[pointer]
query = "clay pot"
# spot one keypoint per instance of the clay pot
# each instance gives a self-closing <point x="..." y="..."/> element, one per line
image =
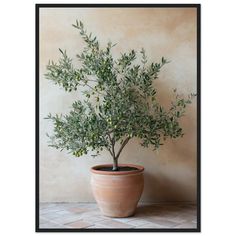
<point x="117" y="192"/>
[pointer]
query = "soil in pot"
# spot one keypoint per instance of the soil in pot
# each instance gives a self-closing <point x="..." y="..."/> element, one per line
<point x="120" y="168"/>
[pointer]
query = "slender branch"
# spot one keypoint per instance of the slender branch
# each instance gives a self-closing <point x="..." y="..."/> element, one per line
<point x="113" y="149"/>
<point x="109" y="151"/>
<point x="122" y="146"/>
<point x="96" y="91"/>
<point x="91" y="80"/>
<point x="112" y="144"/>
<point x="93" y="89"/>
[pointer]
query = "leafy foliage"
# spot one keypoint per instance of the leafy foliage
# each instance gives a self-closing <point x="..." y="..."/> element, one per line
<point x="119" y="101"/>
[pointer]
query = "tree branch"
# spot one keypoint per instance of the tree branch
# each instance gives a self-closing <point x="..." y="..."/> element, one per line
<point x="85" y="84"/>
<point x="122" y="146"/>
<point x="109" y="151"/>
<point x="112" y="144"/>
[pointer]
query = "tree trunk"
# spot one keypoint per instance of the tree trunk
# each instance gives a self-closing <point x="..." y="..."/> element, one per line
<point x="115" y="164"/>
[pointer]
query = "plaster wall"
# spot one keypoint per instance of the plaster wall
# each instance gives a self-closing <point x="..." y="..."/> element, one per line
<point x="170" y="172"/>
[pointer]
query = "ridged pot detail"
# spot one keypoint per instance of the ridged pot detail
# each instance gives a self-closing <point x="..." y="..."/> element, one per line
<point x="117" y="192"/>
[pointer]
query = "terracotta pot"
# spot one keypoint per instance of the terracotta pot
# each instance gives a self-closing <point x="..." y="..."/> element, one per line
<point x="117" y="192"/>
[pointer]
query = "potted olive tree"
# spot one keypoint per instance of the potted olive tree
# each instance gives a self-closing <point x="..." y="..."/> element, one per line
<point x="119" y="103"/>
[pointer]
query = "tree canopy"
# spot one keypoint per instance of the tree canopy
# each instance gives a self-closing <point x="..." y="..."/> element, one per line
<point x="120" y="101"/>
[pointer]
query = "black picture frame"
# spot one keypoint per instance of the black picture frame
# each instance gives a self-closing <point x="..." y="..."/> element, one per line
<point x="37" y="9"/>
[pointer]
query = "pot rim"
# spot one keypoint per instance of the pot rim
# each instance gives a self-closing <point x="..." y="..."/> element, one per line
<point x="95" y="170"/>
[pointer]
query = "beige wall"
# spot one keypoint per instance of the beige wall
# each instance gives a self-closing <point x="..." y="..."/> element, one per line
<point x="170" y="172"/>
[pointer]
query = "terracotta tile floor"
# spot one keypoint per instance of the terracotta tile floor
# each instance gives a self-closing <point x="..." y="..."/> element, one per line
<point x="81" y="215"/>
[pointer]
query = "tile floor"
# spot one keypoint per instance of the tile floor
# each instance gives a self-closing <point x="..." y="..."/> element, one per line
<point x="88" y="216"/>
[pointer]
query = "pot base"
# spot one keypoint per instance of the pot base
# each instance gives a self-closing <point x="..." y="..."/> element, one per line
<point x="117" y="213"/>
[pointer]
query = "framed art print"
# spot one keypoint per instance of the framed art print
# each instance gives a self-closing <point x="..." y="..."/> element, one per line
<point x="118" y="117"/>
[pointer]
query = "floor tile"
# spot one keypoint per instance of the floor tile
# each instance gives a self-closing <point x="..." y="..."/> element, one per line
<point x="114" y="224"/>
<point x="50" y="225"/>
<point x="152" y="226"/>
<point x="138" y="222"/>
<point x="67" y="219"/>
<point x="186" y="225"/>
<point x="88" y="215"/>
<point x="79" y="224"/>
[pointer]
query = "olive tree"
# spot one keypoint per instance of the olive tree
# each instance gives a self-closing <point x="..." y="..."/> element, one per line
<point x="119" y="101"/>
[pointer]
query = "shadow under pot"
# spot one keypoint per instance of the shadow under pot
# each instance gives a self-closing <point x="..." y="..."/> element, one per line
<point x="117" y="192"/>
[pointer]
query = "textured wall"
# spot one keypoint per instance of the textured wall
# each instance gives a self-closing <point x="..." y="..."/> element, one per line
<point x="170" y="172"/>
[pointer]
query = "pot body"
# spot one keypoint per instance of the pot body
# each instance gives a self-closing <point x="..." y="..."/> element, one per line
<point x="117" y="192"/>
